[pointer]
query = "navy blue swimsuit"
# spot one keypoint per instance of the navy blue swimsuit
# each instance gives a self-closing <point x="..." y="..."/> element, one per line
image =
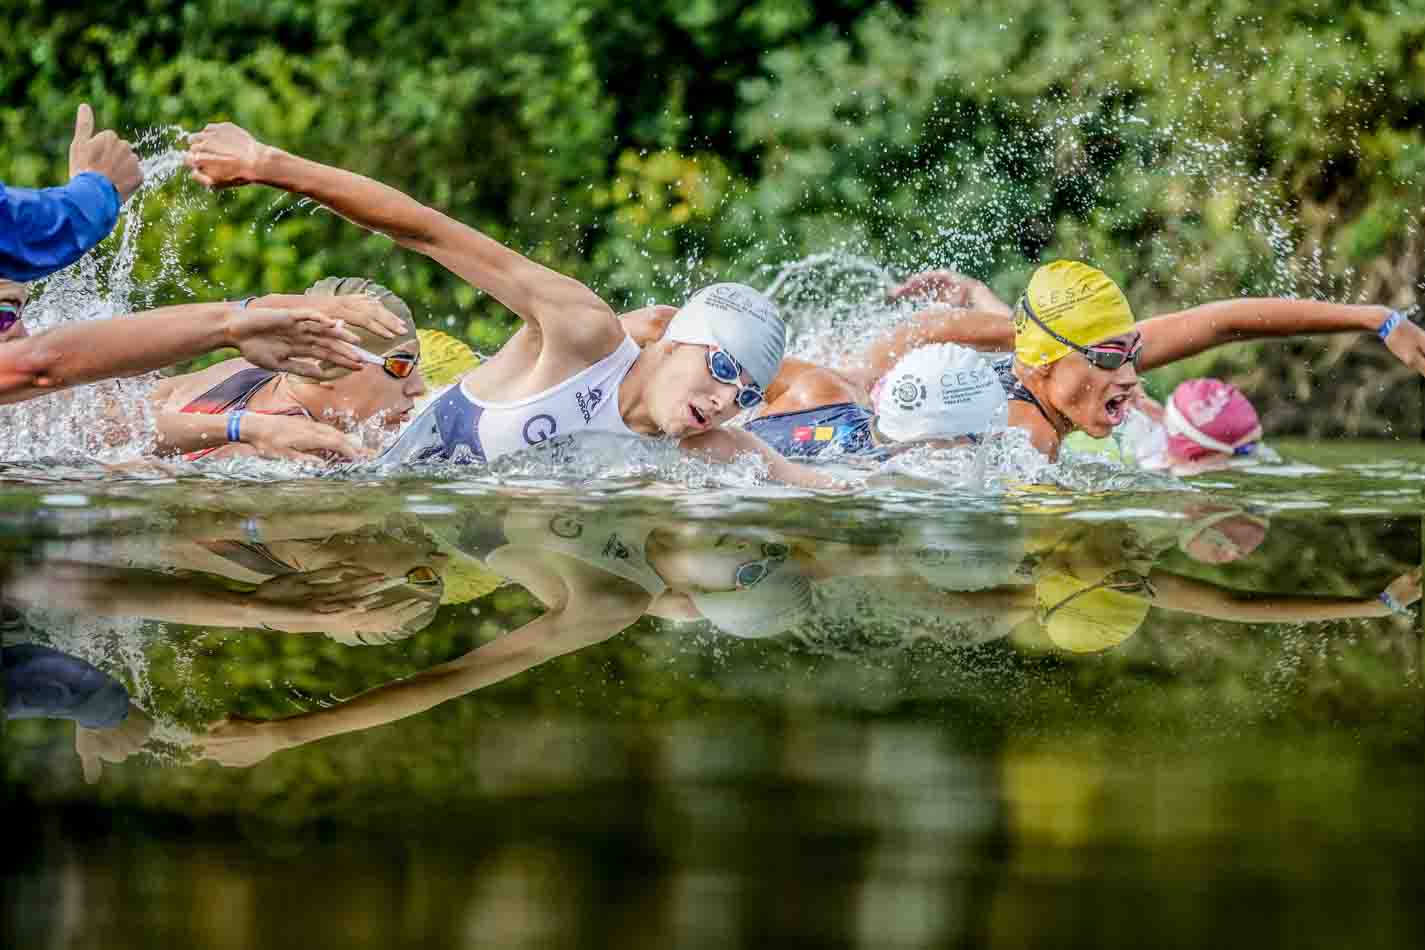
<point x="808" y="433"/>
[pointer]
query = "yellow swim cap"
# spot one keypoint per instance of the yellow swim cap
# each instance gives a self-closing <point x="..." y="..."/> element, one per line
<point x="444" y="359"/>
<point x="1086" y="617"/>
<point x="1076" y="301"/>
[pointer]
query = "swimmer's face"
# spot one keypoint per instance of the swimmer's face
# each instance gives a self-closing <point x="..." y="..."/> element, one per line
<point x="1096" y="401"/>
<point x="684" y="398"/>
<point x="14" y="296"/>
<point x="706" y="563"/>
<point x="373" y="393"/>
<point x="1226" y="541"/>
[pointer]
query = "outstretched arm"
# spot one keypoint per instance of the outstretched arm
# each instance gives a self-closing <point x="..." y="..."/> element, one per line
<point x="1186" y="594"/>
<point x="726" y="445"/>
<point x="1176" y="336"/>
<point x="978" y="329"/>
<point x="560" y="307"/>
<point x="127" y="346"/>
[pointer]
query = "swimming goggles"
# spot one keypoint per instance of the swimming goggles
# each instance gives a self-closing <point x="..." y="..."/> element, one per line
<point x="1124" y="582"/>
<point x="1102" y="357"/>
<point x="9" y="316"/>
<point x="755" y="572"/>
<point x="397" y="365"/>
<point x="727" y="370"/>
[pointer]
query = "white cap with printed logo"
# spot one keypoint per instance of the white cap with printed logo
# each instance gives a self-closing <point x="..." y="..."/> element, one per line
<point x="941" y="391"/>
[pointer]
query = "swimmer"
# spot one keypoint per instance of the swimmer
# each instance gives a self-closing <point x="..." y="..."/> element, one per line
<point x="1077" y="351"/>
<point x="284" y="334"/>
<point x="385" y="389"/>
<point x="1207" y="426"/>
<point x="571" y="367"/>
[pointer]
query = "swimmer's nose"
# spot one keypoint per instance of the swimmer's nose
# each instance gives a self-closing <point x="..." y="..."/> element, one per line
<point x="1127" y="374"/>
<point x="415" y="386"/>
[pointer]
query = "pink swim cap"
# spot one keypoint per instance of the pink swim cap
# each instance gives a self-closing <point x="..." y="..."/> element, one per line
<point x="1210" y="417"/>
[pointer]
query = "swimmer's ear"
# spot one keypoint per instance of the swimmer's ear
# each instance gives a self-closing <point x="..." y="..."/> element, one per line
<point x="444" y="359"/>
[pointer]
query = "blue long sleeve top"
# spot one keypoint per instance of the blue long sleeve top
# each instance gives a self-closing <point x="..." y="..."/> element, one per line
<point x="44" y="230"/>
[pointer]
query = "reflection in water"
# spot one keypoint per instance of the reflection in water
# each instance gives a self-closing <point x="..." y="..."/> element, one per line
<point x="515" y="721"/>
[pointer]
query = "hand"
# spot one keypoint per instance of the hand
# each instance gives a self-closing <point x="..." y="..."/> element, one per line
<point x="114" y="745"/>
<point x="298" y="439"/>
<point x="284" y="340"/>
<point x="104" y="153"/>
<point x="224" y="155"/>
<point x="327" y="590"/>
<point x="240" y="743"/>
<point x="370" y="615"/>
<point x="358" y="310"/>
<point x="1407" y="342"/>
<point x="951" y="288"/>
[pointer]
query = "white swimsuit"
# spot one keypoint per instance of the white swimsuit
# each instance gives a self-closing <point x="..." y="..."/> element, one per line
<point x="616" y="545"/>
<point x="457" y="427"/>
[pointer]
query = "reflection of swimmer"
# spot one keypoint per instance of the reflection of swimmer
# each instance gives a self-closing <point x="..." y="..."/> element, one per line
<point x="1093" y="588"/>
<point x="384" y="389"/>
<point x="571" y="368"/>
<point x="371" y="585"/>
<point x="596" y="576"/>
<point x="1077" y="350"/>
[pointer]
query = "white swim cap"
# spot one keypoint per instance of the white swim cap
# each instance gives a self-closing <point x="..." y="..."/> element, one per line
<point x="941" y="391"/>
<point x="738" y="319"/>
<point x="766" y="609"/>
<point x="963" y="555"/>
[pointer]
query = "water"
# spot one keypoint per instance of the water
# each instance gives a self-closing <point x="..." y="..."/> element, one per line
<point x="443" y="720"/>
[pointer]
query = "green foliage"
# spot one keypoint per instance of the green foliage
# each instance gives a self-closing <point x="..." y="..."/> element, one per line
<point x="1195" y="150"/>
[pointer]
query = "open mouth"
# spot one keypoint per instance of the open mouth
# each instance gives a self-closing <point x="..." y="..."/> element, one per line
<point x="697" y="416"/>
<point x="1117" y="407"/>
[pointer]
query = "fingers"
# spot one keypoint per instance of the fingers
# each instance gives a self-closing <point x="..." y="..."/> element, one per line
<point x="83" y="123"/>
<point x="369" y="314"/>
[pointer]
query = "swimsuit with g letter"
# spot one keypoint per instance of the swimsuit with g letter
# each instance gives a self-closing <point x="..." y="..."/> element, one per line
<point x="456" y="427"/>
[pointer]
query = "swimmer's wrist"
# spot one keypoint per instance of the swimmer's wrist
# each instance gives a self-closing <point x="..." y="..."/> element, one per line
<point x="266" y="167"/>
<point x="1394" y="319"/>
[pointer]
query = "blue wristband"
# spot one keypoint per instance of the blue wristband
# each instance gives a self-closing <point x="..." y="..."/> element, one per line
<point x="1395" y="606"/>
<point x="1395" y="319"/>
<point x="235" y="425"/>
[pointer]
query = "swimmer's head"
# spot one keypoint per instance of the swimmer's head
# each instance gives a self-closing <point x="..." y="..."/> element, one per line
<point x="1069" y="307"/>
<point x="1089" y="612"/>
<point x="941" y="391"/>
<point x="734" y="320"/>
<point x="1220" y="535"/>
<point x="1207" y="417"/>
<point x="746" y="583"/>
<point x="372" y="391"/>
<point x="13" y="297"/>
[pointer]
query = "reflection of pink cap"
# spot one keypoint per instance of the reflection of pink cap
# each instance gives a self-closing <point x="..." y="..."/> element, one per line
<point x="1208" y="416"/>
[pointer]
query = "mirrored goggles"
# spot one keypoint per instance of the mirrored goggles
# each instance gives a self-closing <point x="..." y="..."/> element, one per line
<point x="10" y="315"/>
<point x="398" y="365"/>
<point x="755" y="572"/>
<point x="1125" y="582"/>
<point x="1104" y="357"/>
<point x="725" y="369"/>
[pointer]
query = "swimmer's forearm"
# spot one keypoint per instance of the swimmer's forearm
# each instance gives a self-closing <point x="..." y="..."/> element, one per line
<point x="1177" y="336"/>
<point x="552" y="635"/>
<point x="1188" y="595"/>
<point x="83" y="353"/>
<point x="977" y="329"/>
<point x="528" y="289"/>
<point x="181" y="432"/>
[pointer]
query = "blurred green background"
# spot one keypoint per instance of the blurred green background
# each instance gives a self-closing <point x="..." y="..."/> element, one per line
<point x="1194" y="149"/>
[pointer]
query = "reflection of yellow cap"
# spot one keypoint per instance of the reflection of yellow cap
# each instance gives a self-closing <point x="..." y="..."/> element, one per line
<point x="444" y="359"/>
<point x="1076" y="301"/>
<point x="1093" y="621"/>
<point x="464" y="577"/>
